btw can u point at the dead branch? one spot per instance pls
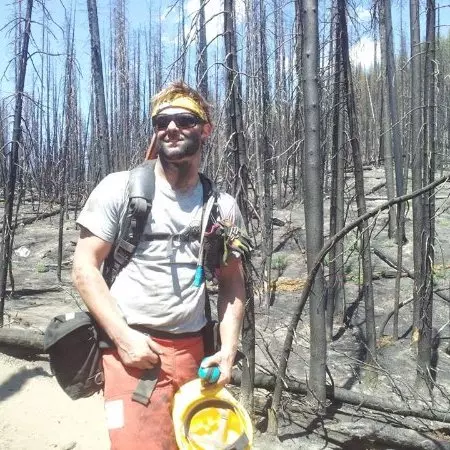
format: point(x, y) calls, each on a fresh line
point(391, 263)
point(376, 188)
point(391, 313)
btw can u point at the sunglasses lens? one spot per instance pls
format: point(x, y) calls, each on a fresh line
point(162, 121)
point(186, 121)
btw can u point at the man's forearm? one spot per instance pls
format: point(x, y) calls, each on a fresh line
point(230, 329)
point(95, 293)
point(231, 307)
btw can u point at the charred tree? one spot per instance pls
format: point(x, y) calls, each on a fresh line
point(365, 249)
point(238, 155)
point(386, 131)
point(313, 195)
point(101, 121)
point(336, 293)
point(259, 95)
point(425, 370)
point(202, 53)
point(13, 160)
point(416, 154)
point(69, 131)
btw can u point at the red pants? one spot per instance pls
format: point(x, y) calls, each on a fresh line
point(133, 426)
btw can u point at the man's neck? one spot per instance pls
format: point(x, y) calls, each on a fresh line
point(182, 175)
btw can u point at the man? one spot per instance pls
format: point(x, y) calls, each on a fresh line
point(156, 292)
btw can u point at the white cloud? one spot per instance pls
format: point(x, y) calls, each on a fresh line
point(213, 15)
point(363, 14)
point(362, 53)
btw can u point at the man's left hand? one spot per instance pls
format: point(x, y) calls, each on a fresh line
point(223, 360)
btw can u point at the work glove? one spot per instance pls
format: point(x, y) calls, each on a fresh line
point(222, 238)
point(235, 239)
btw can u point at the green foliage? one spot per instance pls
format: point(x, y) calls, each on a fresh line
point(441, 271)
point(279, 263)
point(41, 267)
point(443, 222)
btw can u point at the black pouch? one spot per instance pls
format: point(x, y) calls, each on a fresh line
point(213, 250)
point(211, 337)
point(72, 342)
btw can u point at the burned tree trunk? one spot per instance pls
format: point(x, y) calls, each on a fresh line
point(101, 121)
point(313, 194)
point(424, 326)
point(359, 190)
point(68, 134)
point(336, 292)
point(201, 66)
point(7, 232)
point(237, 149)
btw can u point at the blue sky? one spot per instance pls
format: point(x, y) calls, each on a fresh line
point(138, 18)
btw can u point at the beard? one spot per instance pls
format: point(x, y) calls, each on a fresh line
point(175, 150)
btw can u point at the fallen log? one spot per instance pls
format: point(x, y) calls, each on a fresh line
point(359, 399)
point(25, 340)
point(26, 292)
point(29, 220)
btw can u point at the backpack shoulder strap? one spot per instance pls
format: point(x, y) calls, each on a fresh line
point(209, 190)
point(141, 190)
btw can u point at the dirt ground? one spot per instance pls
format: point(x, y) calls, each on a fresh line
point(36, 414)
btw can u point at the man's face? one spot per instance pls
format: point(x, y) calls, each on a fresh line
point(179, 133)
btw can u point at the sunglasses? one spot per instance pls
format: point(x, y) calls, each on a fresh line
point(182, 120)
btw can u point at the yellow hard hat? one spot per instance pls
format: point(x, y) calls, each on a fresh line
point(209, 417)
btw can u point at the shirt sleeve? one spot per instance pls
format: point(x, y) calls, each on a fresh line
point(229, 209)
point(103, 209)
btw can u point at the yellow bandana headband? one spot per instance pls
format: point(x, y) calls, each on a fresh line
point(180, 101)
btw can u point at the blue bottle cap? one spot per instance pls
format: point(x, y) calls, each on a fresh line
point(209, 374)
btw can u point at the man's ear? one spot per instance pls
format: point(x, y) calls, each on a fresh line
point(206, 130)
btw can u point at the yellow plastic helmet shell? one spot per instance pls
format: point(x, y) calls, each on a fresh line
point(209, 417)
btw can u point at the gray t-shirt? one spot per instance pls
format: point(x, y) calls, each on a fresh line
point(156, 287)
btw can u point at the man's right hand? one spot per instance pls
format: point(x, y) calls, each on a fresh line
point(138, 350)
